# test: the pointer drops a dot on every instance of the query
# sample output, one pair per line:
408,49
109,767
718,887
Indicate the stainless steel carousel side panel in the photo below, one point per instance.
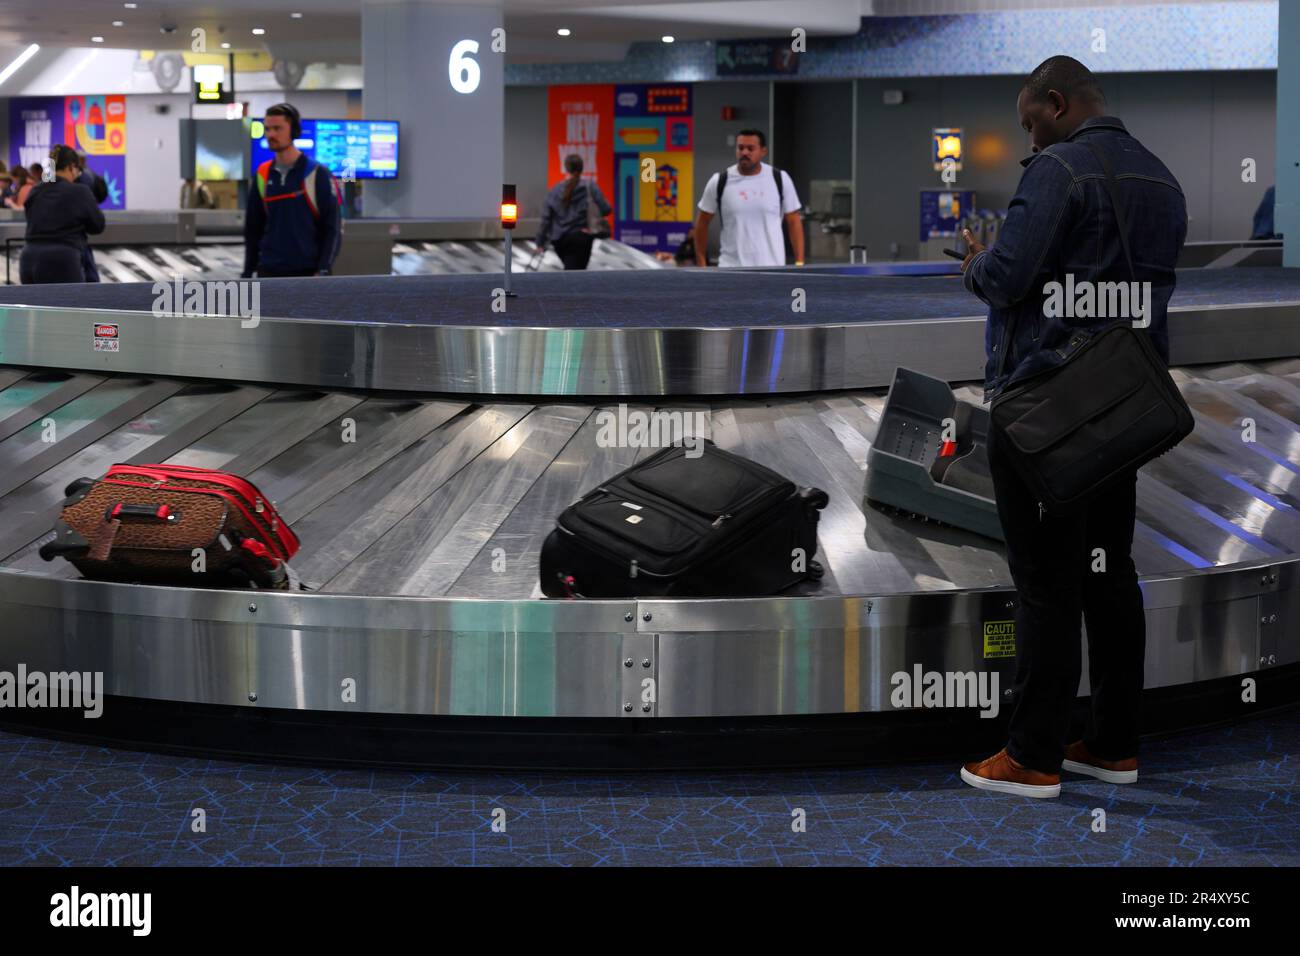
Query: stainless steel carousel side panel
589,361
775,656
814,656
293,651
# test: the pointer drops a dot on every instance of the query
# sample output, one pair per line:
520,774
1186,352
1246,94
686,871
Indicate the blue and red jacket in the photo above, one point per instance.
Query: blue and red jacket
292,225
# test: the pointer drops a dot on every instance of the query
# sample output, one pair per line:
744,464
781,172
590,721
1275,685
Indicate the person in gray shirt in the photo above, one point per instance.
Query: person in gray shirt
567,223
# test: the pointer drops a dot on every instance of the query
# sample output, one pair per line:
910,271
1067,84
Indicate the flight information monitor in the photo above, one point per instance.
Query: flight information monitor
357,149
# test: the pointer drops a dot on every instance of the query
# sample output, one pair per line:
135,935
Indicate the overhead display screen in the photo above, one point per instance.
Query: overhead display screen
360,149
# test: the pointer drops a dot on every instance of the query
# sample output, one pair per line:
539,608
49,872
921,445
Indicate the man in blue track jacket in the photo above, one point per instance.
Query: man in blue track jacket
293,221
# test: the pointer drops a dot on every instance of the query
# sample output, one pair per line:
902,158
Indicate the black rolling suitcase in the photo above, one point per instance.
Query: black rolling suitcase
715,525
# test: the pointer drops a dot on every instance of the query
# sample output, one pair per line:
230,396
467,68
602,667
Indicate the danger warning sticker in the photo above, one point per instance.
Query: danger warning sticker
106,339
999,639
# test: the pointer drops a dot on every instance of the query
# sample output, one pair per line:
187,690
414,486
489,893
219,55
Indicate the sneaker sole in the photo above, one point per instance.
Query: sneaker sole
1007,786
1108,776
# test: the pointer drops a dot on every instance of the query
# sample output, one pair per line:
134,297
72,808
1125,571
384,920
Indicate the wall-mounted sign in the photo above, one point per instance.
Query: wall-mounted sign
210,84
945,144
943,210
756,58
94,124
654,162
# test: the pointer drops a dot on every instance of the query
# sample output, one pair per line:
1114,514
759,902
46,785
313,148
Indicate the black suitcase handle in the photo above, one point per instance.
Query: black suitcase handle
161,514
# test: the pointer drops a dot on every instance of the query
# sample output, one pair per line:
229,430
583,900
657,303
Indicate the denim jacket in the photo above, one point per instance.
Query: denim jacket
1061,222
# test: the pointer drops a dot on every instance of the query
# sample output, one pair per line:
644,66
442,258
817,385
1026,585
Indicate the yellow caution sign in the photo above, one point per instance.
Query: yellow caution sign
999,639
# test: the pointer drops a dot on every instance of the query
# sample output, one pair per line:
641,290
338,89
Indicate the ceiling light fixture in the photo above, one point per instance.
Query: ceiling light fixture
667,39
563,31
96,39
258,31
296,16
118,23
225,46
129,6
18,61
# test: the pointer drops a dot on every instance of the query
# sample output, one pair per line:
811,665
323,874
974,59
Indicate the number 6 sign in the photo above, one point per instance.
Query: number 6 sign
462,68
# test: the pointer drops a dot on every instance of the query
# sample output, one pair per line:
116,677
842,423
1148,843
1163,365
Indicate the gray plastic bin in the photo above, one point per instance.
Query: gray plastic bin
907,444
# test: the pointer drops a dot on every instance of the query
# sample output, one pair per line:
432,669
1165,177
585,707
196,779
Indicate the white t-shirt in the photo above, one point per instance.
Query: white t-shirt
751,220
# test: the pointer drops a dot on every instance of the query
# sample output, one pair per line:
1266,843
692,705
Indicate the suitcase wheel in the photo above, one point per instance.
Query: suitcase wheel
815,570
65,541
815,498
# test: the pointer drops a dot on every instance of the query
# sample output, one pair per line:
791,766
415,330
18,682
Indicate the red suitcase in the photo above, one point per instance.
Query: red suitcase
173,524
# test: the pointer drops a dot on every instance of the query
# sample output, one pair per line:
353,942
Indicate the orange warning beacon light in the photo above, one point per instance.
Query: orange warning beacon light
509,209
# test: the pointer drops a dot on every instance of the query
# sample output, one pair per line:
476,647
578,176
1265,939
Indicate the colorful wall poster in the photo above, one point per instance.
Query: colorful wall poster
580,119
95,125
654,143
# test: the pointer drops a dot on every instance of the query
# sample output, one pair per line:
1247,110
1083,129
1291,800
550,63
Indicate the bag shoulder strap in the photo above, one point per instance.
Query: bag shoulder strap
780,191
263,171
1120,218
309,191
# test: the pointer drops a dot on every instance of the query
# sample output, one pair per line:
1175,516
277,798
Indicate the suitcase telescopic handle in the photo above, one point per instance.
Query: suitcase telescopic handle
163,514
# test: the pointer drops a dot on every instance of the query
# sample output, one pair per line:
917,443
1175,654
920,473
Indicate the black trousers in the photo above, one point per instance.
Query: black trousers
44,262
88,264
1052,562
574,249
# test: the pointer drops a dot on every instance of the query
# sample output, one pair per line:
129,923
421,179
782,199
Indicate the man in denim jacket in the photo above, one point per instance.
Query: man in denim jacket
1061,240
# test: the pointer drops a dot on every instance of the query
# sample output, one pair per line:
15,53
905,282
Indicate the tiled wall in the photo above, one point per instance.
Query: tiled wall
1151,38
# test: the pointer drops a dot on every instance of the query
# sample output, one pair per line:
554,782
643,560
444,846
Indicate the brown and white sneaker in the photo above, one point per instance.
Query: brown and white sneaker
1003,774
1079,759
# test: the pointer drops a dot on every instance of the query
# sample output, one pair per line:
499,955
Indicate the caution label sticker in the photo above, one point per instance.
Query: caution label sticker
999,639
106,339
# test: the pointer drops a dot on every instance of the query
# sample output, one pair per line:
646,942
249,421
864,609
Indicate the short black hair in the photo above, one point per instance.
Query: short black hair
1066,75
762,140
573,163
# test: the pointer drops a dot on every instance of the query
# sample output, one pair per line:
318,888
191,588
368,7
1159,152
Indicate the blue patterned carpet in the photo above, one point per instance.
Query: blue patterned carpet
1227,797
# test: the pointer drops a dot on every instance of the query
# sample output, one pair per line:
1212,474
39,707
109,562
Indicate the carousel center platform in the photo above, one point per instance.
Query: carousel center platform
681,332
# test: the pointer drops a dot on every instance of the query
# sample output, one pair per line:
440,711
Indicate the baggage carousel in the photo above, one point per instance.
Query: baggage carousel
422,443
208,245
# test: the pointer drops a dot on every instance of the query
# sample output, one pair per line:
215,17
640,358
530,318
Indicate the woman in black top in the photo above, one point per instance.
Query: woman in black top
60,214
568,220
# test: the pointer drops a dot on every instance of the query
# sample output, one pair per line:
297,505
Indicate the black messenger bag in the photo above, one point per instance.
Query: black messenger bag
1112,407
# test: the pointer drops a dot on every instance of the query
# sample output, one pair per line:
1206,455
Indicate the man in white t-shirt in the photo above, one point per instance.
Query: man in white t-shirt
753,208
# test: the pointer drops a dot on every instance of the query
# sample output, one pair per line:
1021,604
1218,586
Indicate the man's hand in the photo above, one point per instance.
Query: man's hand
973,248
